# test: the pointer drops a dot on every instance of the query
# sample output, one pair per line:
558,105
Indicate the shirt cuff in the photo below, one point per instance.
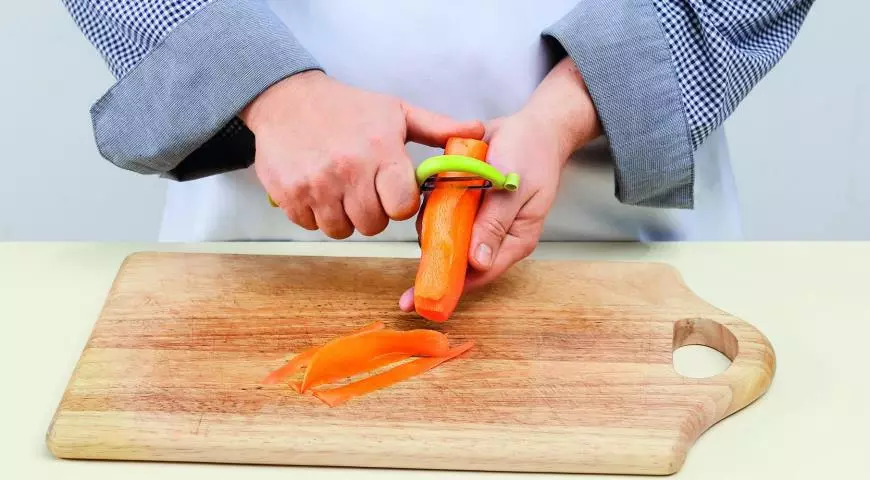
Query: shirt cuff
191,87
621,50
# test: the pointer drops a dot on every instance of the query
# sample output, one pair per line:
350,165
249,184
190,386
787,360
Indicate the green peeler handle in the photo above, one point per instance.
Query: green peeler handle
461,163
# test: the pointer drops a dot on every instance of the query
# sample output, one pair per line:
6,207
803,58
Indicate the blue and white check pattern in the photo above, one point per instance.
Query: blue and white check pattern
722,48
124,31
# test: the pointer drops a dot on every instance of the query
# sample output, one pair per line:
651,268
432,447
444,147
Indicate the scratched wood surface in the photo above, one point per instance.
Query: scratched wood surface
572,371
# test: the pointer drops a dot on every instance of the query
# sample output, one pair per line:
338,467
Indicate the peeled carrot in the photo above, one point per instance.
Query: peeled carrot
445,237
301,360
336,396
351,355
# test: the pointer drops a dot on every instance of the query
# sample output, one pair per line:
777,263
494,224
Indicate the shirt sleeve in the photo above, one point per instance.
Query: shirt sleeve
663,74
184,69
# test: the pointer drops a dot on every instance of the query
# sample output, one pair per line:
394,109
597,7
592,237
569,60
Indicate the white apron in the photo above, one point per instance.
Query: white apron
477,70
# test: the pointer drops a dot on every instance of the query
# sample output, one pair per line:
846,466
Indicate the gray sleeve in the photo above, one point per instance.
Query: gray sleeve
621,50
174,113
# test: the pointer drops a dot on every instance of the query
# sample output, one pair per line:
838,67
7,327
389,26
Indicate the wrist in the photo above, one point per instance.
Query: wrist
258,111
562,104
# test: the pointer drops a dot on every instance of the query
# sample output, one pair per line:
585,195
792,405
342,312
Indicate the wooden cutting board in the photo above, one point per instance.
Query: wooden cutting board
572,371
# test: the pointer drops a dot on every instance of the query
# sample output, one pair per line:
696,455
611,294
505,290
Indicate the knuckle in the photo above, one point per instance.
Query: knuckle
493,227
319,186
343,165
286,195
334,224
296,214
296,190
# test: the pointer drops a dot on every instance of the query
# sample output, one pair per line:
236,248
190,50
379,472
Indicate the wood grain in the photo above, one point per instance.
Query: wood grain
572,371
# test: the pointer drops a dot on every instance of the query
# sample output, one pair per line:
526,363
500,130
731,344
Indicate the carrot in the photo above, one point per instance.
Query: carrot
351,355
301,360
445,237
336,396
373,364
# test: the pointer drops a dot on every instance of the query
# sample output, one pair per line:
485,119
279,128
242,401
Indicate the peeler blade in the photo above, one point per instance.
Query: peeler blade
444,182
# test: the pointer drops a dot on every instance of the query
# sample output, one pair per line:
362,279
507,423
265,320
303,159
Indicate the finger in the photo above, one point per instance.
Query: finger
364,209
433,129
494,220
406,301
512,250
294,207
332,220
301,215
397,188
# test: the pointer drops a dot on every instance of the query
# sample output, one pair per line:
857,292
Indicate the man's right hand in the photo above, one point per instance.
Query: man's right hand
333,157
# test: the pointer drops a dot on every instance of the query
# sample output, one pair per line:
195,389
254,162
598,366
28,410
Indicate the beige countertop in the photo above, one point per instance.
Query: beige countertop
810,299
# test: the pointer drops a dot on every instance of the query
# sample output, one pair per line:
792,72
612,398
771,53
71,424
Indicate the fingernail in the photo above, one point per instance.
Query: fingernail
483,255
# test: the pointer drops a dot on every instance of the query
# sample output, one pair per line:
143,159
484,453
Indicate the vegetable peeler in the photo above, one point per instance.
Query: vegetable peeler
427,174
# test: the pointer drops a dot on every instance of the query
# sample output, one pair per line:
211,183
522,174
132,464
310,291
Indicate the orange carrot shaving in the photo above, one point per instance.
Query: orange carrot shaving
294,365
301,360
364,351
445,237
351,355
380,361
373,364
336,396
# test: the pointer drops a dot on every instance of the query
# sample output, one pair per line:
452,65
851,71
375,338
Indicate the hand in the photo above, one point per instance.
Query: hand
536,142
333,157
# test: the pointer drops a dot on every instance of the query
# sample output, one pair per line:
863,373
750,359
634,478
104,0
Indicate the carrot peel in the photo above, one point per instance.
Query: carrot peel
366,350
294,365
301,360
373,364
348,356
336,396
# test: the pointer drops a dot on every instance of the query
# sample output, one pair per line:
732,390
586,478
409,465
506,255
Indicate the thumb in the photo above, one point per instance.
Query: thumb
501,237
397,188
433,129
491,226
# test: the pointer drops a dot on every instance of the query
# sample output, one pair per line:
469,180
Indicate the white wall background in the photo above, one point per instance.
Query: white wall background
800,142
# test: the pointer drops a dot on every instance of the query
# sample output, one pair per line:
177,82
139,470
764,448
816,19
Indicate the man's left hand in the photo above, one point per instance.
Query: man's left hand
535,142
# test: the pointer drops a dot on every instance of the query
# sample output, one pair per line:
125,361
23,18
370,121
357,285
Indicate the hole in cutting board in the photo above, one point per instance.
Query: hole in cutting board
699,361
702,348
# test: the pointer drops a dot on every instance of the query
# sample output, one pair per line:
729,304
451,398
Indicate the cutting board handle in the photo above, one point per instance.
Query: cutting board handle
753,361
